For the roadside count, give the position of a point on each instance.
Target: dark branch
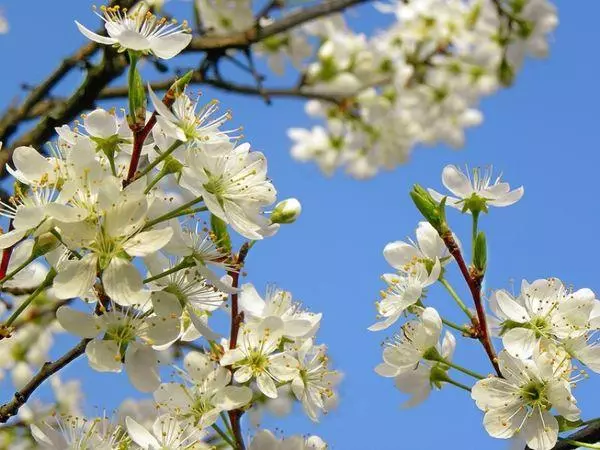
(11, 408)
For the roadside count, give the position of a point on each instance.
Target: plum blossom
(128, 337)
(256, 356)
(278, 303)
(520, 403)
(206, 393)
(404, 291)
(544, 310)
(477, 191)
(140, 31)
(405, 350)
(234, 187)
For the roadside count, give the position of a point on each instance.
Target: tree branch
(11, 408)
(474, 283)
(237, 318)
(243, 39)
(113, 65)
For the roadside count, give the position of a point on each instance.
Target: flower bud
(137, 95)
(44, 243)
(286, 211)
(433, 212)
(480, 253)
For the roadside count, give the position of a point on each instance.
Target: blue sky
(542, 133)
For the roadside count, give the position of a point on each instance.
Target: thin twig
(474, 282)
(237, 318)
(11, 408)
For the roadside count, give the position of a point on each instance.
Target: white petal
(78, 323)
(160, 107)
(509, 199)
(163, 330)
(95, 37)
(103, 356)
(233, 397)
(398, 253)
(266, 385)
(28, 217)
(250, 301)
(264, 440)
(141, 365)
(148, 242)
(76, 277)
(140, 435)
(169, 46)
(456, 181)
(123, 283)
(11, 238)
(100, 123)
(520, 342)
(541, 430)
(510, 308)
(65, 213)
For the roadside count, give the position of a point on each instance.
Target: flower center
(534, 394)
(257, 362)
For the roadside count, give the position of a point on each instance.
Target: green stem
(457, 384)
(463, 329)
(462, 369)
(456, 298)
(172, 214)
(160, 158)
(133, 60)
(225, 420)
(581, 444)
(223, 435)
(589, 422)
(182, 265)
(474, 234)
(47, 282)
(11, 274)
(154, 181)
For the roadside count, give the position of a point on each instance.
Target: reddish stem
(140, 135)
(237, 318)
(6, 254)
(474, 280)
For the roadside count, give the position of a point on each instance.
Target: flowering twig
(474, 282)
(237, 318)
(114, 64)
(11, 408)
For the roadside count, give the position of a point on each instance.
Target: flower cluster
(544, 329)
(107, 241)
(419, 81)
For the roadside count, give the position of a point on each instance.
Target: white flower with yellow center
(404, 290)
(127, 337)
(475, 192)
(520, 403)
(206, 393)
(544, 310)
(110, 242)
(184, 122)
(257, 356)
(141, 32)
(234, 186)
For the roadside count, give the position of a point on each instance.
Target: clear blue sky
(543, 133)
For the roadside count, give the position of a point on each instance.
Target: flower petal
(95, 37)
(76, 277)
(78, 323)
